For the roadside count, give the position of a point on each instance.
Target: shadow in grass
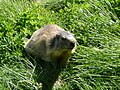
(45, 72)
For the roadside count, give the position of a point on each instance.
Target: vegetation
(96, 25)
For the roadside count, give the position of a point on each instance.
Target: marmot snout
(52, 44)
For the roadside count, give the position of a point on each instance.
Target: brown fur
(52, 44)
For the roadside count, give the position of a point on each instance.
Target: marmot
(51, 44)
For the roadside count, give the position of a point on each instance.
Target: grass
(94, 66)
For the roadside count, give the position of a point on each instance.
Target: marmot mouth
(67, 49)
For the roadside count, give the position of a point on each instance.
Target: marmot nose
(72, 45)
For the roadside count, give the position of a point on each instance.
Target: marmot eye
(57, 36)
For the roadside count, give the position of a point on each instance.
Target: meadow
(95, 65)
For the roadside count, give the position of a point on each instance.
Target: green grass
(94, 66)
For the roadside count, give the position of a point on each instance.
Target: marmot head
(64, 41)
